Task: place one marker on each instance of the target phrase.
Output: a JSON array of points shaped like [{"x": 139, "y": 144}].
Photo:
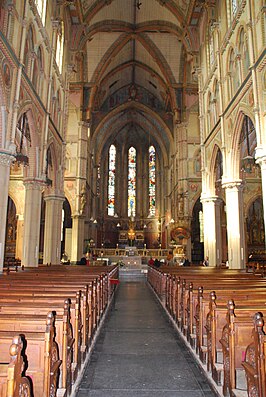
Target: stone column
[
  {"x": 77, "y": 237},
  {"x": 20, "y": 234},
  {"x": 235, "y": 224},
  {"x": 212, "y": 229},
  {"x": 52, "y": 229},
  {"x": 32, "y": 218},
  {"x": 5, "y": 161},
  {"x": 262, "y": 162}
]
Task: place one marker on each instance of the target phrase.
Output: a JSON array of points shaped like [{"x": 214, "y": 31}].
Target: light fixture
[
  {"x": 21, "y": 159},
  {"x": 144, "y": 226},
  {"x": 95, "y": 221},
  {"x": 172, "y": 221},
  {"x": 115, "y": 215},
  {"x": 48, "y": 181},
  {"x": 118, "y": 225}
]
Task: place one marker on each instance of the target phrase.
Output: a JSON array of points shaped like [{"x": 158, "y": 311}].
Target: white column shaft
[
  {"x": 4, "y": 183},
  {"x": 77, "y": 238},
  {"x": 235, "y": 226},
  {"x": 32, "y": 218},
  {"x": 212, "y": 230},
  {"x": 52, "y": 230}
]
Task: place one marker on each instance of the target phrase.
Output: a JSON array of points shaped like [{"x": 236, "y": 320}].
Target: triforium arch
[
  {"x": 255, "y": 228},
  {"x": 233, "y": 165}
]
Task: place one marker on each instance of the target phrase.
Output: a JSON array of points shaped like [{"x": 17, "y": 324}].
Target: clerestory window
[{"x": 41, "y": 7}]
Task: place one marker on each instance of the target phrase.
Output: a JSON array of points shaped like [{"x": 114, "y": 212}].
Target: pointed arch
[
  {"x": 28, "y": 51},
  {"x": 235, "y": 149},
  {"x": 216, "y": 168}
]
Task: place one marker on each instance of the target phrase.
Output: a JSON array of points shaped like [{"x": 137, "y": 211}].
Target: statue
[{"x": 83, "y": 199}]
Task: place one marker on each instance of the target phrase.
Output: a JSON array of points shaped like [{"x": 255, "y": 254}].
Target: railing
[{"x": 109, "y": 252}]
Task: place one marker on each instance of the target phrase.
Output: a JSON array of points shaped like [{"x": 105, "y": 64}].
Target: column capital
[
  {"x": 78, "y": 216},
  {"x": 54, "y": 197},
  {"x": 210, "y": 199},
  {"x": 236, "y": 185},
  {"x": 6, "y": 159},
  {"x": 34, "y": 184},
  {"x": 85, "y": 124},
  {"x": 261, "y": 159}
]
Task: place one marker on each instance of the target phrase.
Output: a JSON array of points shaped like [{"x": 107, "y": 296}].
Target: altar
[{"x": 132, "y": 260}]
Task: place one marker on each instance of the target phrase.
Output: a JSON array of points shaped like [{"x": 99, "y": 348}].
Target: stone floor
[{"x": 139, "y": 354}]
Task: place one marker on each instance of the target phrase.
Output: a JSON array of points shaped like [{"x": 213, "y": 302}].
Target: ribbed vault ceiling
[{"x": 137, "y": 58}]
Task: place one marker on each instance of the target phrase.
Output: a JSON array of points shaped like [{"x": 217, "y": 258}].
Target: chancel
[{"x": 132, "y": 132}]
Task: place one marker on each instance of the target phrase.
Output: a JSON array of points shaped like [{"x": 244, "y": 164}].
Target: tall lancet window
[
  {"x": 111, "y": 180},
  {"x": 152, "y": 179},
  {"x": 41, "y": 7},
  {"x": 234, "y": 5},
  {"x": 60, "y": 47},
  {"x": 132, "y": 172}
]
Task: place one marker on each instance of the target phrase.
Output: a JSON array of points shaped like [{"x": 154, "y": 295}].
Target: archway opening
[
  {"x": 11, "y": 230},
  {"x": 197, "y": 251}
]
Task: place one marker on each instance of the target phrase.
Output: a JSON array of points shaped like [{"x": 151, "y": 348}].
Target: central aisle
[{"x": 139, "y": 354}]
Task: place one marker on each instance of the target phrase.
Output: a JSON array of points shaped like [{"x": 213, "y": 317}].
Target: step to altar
[
  {"x": 133, "y": 273},
  {"x": 131, "y": 262}
]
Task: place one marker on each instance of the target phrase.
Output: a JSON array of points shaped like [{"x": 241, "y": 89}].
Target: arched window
[
  {"x": 132, "y": 173},
  {"x": 41, "y": 7},
  {"x": 60, "y": 47},
  {"x": 22, "y": 139},
  {"x": 234, "y": 6},
  {"x": 243, "y": 50},
  {"x": 29, "y": 46},
  {"x": 111, "y": 180},
  {"x": 56, "y": 108},
  {"x": 216, "y": 102},
  {"x": 37, "y": 71},
  {"x": 209, "y": 113},
  {"x": 152, "y": 180},
  {"x": 211, "y": 46},
  {"x": 233, "y": 69},
  {"x": 218, "y": 172}
]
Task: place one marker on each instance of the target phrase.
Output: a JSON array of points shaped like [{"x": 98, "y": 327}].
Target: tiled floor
[{"x": 139, "y": 354}]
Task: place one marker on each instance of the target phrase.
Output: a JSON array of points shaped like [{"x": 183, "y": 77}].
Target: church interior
[
  {"x": 134, "y": 128},
  {"x": 132, "y": 123}
]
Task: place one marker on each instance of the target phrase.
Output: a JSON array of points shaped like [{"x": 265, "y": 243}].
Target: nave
[{"x": 139, "y": 354}]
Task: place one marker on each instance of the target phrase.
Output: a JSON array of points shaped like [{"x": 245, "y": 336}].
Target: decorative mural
[{"x": 136, "y": 93}]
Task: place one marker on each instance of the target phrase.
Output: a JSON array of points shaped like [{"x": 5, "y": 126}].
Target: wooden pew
[
  {"x": 255, "y": 360},
  {"x": 216, "y": 319},
  {"x": 187, "y": 298},
  {"x": 66, "y": 329},
  {"x": 33, "y": 291},
  {"x": 42, "y": 356},
  {"x": 236, "y": 336},
  {"x": 13, "y": 382}
]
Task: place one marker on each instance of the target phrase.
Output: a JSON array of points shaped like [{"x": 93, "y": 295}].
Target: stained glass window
[
  {"x": 111, "y": 180},
  {"x": 132, "y": 172},
  {"x": 60, "y": 47},
  {"x": 234, "y": 6},
  {"x": 41, "y": 7},
  {"x": 152, "y": 179}
]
